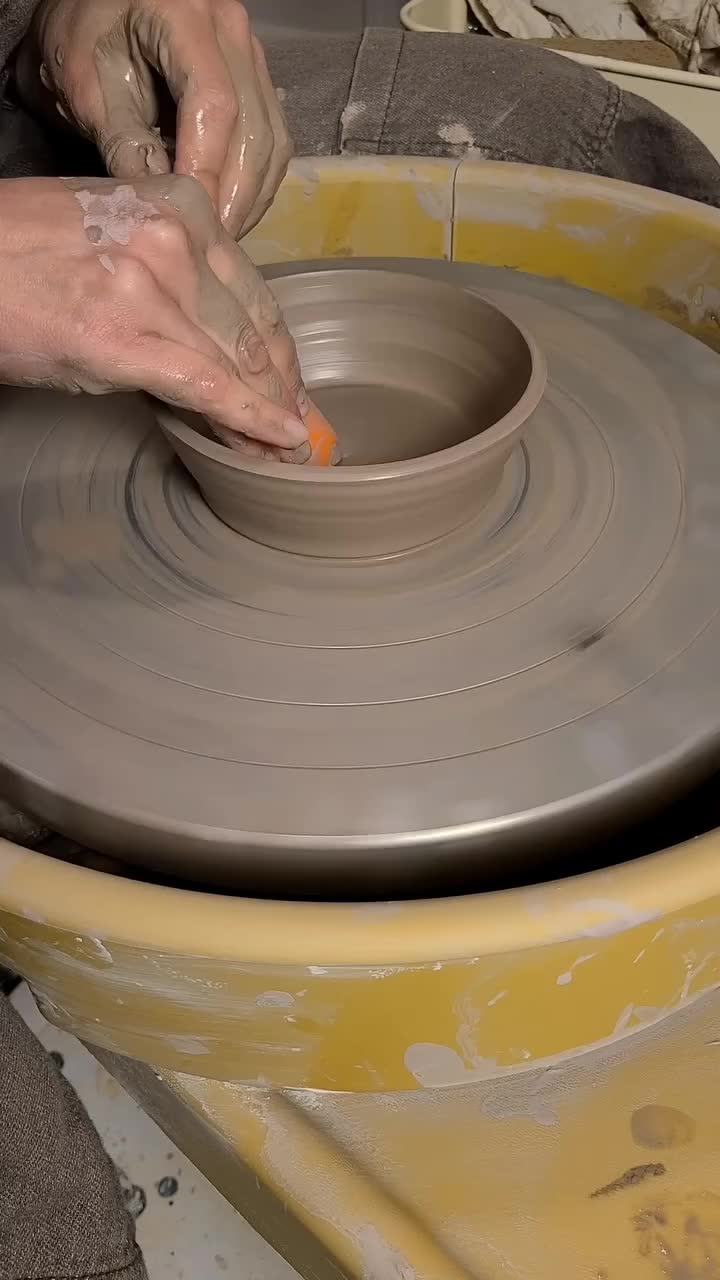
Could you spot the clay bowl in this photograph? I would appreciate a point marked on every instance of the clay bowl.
(428, 387)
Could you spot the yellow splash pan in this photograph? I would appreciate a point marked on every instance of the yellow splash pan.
(511, 1086)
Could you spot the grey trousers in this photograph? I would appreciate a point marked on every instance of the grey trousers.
(62, 1215)
(401, 93)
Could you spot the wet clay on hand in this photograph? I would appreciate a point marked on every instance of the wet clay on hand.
(111, 285)
(93, 63)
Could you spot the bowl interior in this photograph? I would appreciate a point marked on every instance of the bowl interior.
(403, 367)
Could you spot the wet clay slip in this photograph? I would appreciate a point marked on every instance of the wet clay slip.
(199, 703)
(428, 388)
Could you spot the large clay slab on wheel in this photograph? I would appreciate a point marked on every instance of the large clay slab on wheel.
(201, 704)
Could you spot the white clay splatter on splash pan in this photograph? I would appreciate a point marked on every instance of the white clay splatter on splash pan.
(275, 1000)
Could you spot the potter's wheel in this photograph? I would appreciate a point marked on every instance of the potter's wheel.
(198, 703)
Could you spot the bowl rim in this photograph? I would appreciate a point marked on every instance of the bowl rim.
(485, 442)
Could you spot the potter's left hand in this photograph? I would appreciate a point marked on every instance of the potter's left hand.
(106, 66)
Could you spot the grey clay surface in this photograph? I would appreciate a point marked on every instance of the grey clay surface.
(201, 704)
(428, 388)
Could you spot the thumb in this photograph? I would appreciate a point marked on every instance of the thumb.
(129, 143)
(133, 152)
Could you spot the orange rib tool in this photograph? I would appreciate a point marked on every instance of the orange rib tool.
(322, 438)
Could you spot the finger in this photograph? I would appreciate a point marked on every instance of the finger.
(132, 149)
(176, 360)
(243, 280)
(270, 324)
(181, 375)
(113, 99)
(126, 136)
(173, 322)
(250, 151)
(191, 60)
(281, 148)
(166, 247)
(262, 452)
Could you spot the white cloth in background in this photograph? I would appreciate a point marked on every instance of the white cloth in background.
(543, 19)
(517, 18)
(690, 27)
(596, 19)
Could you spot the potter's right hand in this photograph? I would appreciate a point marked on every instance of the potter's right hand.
(109, 285)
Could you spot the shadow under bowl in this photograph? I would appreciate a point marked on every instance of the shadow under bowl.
(428, 387)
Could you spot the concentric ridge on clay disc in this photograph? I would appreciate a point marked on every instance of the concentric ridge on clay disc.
(196, 703)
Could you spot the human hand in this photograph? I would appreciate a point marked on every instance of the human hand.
(107, 67)
(110, 285)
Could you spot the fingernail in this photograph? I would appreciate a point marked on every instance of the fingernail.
(156, 161)
(303, 403)
(295, 431)
(249, 448)
(296, 456)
